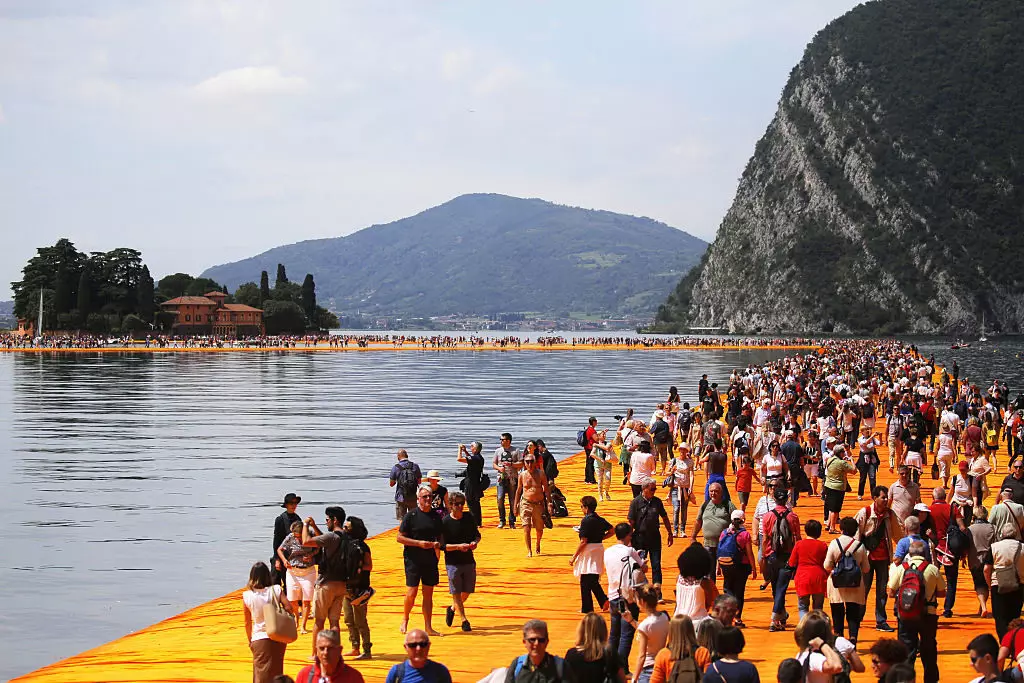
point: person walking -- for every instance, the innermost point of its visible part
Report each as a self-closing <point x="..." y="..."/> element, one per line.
<point x="300" y="569"/>
<point x="591" y="658"/>
<point x="780" y="530"/>
<point x="641" y="466"/>
<point x="904" y="494"/>
<point x="680" y="658"/>
<point x="1004" y="570"/>
<point x="356" y="603"/>
<point x="267" y="654"/>
<point x="806" y="562"/>
<point x="405" y="477"/>
<point x="332" y="575"/>
<point x="837" y="470"/>
<point x="878" y="530"/>
<point x="651" y="633"/>
<point x="646" y="515"/>
<point x="680" y="478"/>
<point x="329" y="664"/>
<point x="620" y="560"/>
<point x="538" y="665"/>
<point x="951" y="543"/>
<point x="532" y="500"/>
<point x="507" y="463"/>
<point x="917" y="584"/>
<point x="736" y="559"/>
<point x="417" y="665"/>
<point x="983" y="535"/>
<point x="867" y="458"/>
<point x="461" y="537"/>
<point x="421" y="534"/>
<point x="588" y="560"/>
<point x="847" y="600"/>
<point x="661" y="437"/>
<point x="714" y="516"/>
<point x="589" y="437"/>
<point x="472" y="483"/>
<point x="1006" y="511"/>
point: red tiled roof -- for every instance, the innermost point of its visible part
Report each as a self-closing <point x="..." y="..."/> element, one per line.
<point x="241" y="307"/>
<point x="191" y="300"/>
<point x="214" y="293"/>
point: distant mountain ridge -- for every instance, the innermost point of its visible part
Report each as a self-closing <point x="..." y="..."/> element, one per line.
<point x="489" y="253"/>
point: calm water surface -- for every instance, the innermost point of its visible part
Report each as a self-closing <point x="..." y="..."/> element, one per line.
<point x="137" y="486"/>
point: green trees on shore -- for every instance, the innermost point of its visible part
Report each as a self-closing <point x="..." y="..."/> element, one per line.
<point x="113" y="292"/>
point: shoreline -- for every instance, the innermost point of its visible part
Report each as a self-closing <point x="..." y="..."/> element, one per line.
<point x="388" y="346"/>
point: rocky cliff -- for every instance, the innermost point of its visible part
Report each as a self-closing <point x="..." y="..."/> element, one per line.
<point x="888" y="192"/>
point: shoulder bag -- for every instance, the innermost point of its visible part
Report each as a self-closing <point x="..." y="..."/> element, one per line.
<point x="277" y="621"/>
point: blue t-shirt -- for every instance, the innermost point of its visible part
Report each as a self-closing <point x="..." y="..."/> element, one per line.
<point x="903" y="547"/>
<point x="432" y="672"/>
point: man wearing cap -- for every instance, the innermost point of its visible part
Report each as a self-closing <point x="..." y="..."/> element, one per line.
<point x="283" y="527"/>
<point x="329" y="665"/>
<point x="904" y="494"/>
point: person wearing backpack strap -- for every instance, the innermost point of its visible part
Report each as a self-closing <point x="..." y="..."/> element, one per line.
<point x="917" y="584"/>
<point x="418" y="663"/>
<point x="333" y="575"/>
<point x="537" y="665"/>
<point x="1004" y="571"/>
<point x="847" y="557"/>
<point x="780" y="530"/>
<point x="405" y="477"/>
<point x="878" y="529"/>
<point x="329" y="664"/>
<point x="825" y="657"/>
<point x="677" y="662"/>
<point x="952" y="542"/>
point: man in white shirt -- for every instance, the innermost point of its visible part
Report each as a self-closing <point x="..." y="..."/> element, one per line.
<point x="624" y="614"/>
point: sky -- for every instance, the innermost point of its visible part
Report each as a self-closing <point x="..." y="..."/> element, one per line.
<point x="202" y="132"/>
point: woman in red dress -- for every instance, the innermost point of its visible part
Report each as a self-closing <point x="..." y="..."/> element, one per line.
<point x="808" y="558"/>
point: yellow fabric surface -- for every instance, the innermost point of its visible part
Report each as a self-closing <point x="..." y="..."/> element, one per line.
<point x="208" y="643"/>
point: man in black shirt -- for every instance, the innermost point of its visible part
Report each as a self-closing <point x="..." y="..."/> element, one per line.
<point x="1015" y="480"/>
<point x="645" y="513"/>
<point x="420" y="532"/>
<point x="461" y="537"/>
<point x="283" y="527"/>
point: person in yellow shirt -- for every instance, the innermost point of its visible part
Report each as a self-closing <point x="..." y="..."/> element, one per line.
<point x="919" y="633"/>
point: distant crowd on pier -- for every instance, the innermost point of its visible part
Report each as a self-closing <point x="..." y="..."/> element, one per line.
<point x="805" y="424"/>
<point x="358" y="340"/>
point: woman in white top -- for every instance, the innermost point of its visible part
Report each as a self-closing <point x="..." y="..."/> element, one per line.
<point x="773" y="467"/>
<point x="945" y="454"/>
<point x="267" y="654"/>
<point x="979" y="469"/>
<point x="694" y="565"/>
<point x="680" y="475"/>
<point x="823" y="652"/>
<point x="651" y="633"/>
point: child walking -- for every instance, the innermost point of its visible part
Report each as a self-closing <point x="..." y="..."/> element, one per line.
<point x="745" y="477"/>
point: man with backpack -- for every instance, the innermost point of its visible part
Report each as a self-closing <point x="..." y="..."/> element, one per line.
<point x="341" y="561"/>
<point x="780" y="530"/>
<point x="585" y="439"/>
<point x="507" y="463"/>
<point x="647" y="514"/>
<point x="417" y="665"/>
<point x="952" y="541"/>
<point x="405" y="478"/>
<point x="916" y="584"/>
<point x="624" y="568"/>
<point x="537" y="666"/>
<point x="879" y="529"/>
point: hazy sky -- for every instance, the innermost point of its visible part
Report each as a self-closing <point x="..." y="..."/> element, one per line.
<point x="204" y="132"/>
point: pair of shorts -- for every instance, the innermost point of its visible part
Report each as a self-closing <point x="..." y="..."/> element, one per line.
<point x="403" y="507"/>
<point x="300" y="583"/>
<point x="327" y="599"/>
<point x="461" y="578"/>
<point x="834" y="499"/>
<point x="421" y="572"/>
<point x="530" y="514"/>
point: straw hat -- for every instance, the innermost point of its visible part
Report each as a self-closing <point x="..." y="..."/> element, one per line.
<point x="434" y="474"/>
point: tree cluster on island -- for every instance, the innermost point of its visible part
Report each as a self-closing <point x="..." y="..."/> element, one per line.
<point x="113" y="293"/>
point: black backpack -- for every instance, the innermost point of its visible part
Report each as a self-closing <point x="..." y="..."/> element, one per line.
<point x="957" y="541"/>
<point x="406" y="481"/>
<point x="346" y="563"/>
<point x="846" y="573"/>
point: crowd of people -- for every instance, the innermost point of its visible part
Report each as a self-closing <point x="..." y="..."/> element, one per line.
<point x="808" y="425"/>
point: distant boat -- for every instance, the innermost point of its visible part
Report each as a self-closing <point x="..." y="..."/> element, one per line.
<point x="959" y="344"/>
<point x="983" y="338"/>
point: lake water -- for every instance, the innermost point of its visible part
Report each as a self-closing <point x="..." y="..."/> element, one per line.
<point x="137" y="486"/>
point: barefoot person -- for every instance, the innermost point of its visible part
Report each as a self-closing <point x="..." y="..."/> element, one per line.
<point x="531" y="496"/>
<point x="421" y="534"/>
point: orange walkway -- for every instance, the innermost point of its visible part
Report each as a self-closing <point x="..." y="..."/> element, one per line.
<point x="388" y="346"/>
<point x="208" y="643"/>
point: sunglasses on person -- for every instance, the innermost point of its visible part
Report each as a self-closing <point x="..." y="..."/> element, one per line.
<point x="418" y="645"/>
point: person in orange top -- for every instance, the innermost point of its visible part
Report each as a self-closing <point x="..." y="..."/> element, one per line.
<point x="681" y="645"/>
<point x="808" y="559"/>
<point x="745" y="477"/>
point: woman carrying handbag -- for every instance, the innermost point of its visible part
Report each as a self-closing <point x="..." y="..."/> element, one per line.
<point x="267" y="637"/>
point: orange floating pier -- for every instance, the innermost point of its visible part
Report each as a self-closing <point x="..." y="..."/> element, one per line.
<point x="208" y="642"/>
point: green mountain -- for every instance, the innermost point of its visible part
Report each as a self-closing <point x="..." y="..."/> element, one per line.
<point x="887" y="192"/>
<point x="488" y="253"/>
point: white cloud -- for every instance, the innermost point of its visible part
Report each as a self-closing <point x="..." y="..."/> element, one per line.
<point x="250" y="80"/>
<point x="455" y="64"/>
<point x="3" y="119"/>
<point x="498" y="79"/>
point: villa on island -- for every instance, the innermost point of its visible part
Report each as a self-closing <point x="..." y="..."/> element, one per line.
<point x="209" y="315"/>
